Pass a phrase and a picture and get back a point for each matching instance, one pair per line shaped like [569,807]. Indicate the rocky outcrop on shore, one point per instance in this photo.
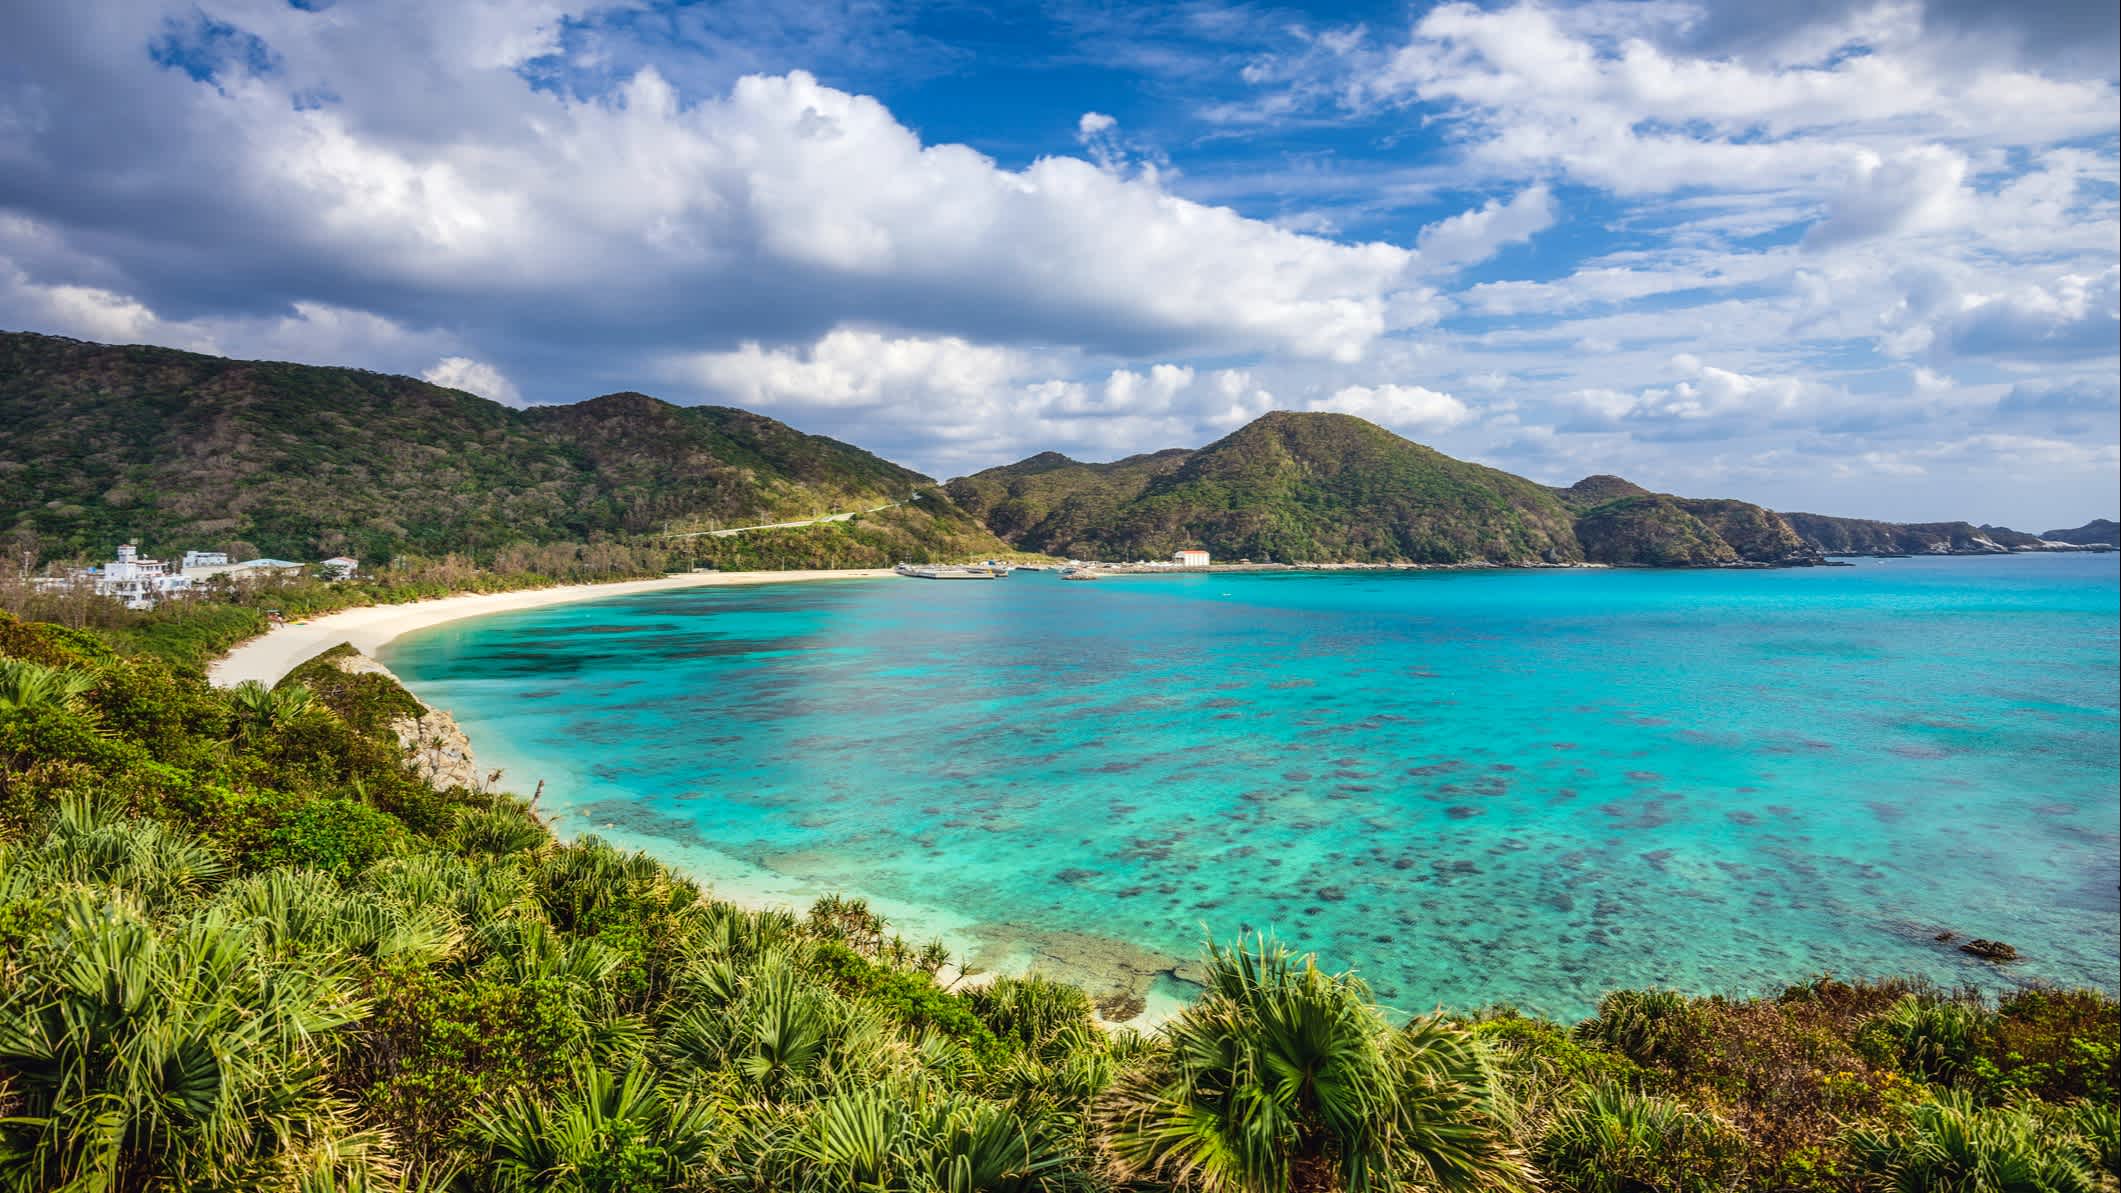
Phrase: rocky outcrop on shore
[437,747]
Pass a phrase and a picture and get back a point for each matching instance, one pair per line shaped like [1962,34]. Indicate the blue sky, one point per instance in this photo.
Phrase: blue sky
[1847,257]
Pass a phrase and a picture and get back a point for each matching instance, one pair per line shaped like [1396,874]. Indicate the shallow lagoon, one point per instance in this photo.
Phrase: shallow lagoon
[1472,786]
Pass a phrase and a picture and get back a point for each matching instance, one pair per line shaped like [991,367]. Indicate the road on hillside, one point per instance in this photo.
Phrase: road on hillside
[842,516]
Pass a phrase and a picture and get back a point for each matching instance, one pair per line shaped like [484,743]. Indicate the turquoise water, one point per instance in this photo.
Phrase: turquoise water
[1473,787]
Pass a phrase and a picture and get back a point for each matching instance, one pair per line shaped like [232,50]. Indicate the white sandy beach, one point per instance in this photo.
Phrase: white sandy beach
[268,657]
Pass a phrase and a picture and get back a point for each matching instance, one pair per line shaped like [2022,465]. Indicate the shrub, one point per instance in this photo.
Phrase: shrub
[339,836]
[2053,1044]
[1649,1027]
[1924,1037]
[1954,1146]
[1613,1140]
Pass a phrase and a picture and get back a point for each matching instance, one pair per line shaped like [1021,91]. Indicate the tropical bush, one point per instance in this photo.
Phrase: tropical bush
[1283,1076]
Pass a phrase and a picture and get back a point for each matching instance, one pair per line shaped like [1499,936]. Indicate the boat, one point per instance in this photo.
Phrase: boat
[938,571]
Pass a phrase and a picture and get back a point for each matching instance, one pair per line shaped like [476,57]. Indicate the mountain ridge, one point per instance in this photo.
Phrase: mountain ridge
[101,445]
[1304,508]
[175,449]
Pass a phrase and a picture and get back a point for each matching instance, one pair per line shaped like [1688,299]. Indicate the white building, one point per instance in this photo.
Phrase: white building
[1191,559]
[340,567]
[140,582]
[249,569]
[204,559]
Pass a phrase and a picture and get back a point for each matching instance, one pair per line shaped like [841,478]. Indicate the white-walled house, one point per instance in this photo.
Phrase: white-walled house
[1190,559]
[140,582]
[340,567]
[194,560]
[249,569]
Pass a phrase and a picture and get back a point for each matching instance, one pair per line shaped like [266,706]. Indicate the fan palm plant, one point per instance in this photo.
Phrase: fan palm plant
[1613,1140]
[178,1058]
[261,710]
[1649,1027]
[94,843]
[498,831]
[603,1133]
[1926,1037]
[1282,1076]
[1953,1145]
[306,913]
[34,687]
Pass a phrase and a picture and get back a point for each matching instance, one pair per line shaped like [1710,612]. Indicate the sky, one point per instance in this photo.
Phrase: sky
[1851,258]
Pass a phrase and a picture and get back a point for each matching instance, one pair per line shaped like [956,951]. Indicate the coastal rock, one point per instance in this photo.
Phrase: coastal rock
[437,747]
[1115,973]
[1989,950]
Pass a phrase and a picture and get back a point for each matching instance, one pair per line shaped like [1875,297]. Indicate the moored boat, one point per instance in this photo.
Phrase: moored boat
[937,571]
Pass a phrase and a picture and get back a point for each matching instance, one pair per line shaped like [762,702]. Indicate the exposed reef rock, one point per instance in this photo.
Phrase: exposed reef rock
[1989,950]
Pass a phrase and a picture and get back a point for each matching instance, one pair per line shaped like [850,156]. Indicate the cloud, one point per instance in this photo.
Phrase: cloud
[1399,407]
[306,332]
[852,368]
[1703,402]
[474,377]
[2075,317]
[1476,235]
[1916,190]
[947,402]
[772,211]
[2068,402]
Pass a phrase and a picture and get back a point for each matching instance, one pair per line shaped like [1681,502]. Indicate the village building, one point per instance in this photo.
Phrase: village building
[194,560]
[249,569]
[140,582]
[340,567]
[1190,559]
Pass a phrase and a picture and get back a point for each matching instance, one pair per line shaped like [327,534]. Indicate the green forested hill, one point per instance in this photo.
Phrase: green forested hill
[99,445]
[2098,531]
[1597,490]
[1330,488]
[1060,503]
[1863,536]
[1287,487]
[1653,530]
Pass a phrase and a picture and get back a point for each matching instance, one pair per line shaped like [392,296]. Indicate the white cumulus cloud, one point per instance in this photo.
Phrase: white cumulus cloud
[473,377]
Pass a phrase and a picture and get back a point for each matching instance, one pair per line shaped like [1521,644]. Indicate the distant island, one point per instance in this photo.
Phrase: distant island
[178,451]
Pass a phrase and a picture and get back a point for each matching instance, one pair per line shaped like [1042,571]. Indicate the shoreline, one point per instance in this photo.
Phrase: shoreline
[271,655]
[368,629]
[979,951]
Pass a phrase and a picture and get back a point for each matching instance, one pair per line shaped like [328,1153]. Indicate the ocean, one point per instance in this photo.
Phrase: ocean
[1472,787]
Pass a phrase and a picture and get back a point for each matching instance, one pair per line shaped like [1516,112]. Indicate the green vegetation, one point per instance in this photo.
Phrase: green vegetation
[1328,488]
[1597,490]
[244,947]
[931,529]
[174,450]
[194,630]
[1862,536]
[1652,531]
[1287,488]
[1056,504]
